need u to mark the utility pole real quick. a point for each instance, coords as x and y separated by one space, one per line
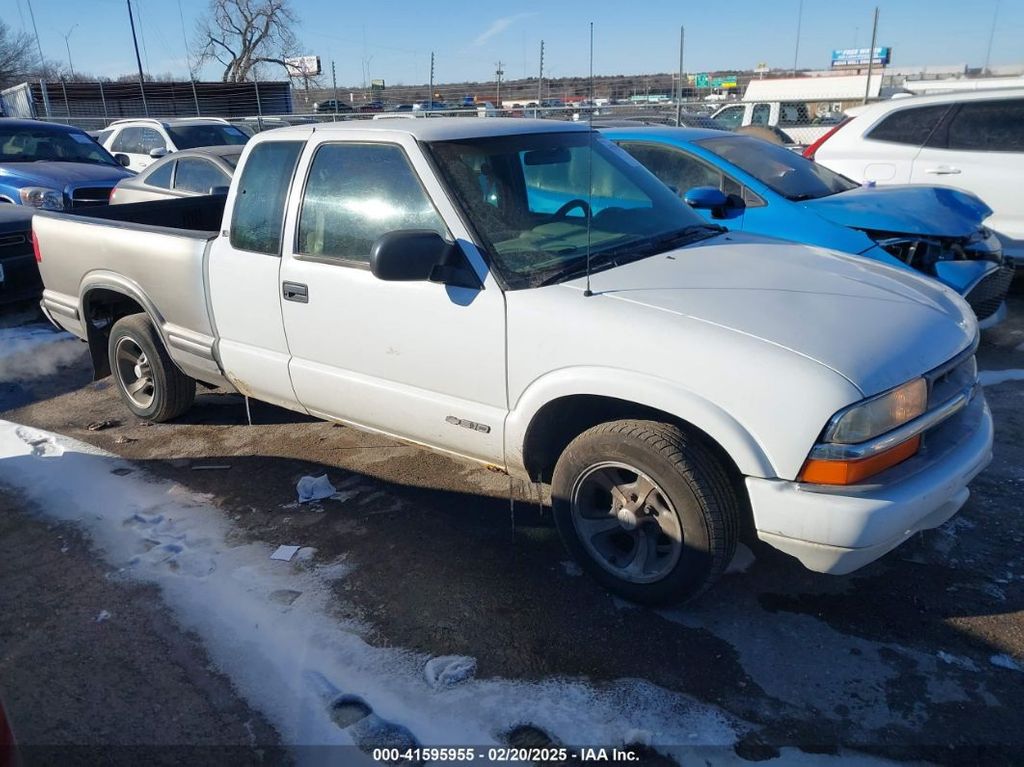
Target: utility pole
991 35
188 58
431 79
540 78
871 56
138 60
799 22
68 46
498 73
334 81
42 62
679 96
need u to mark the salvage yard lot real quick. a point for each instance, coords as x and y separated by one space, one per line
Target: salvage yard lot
916 657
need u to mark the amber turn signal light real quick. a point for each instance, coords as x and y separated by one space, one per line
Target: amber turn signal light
822 472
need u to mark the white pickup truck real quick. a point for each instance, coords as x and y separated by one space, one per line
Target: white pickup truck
427 279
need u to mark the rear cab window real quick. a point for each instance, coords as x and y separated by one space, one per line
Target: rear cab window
257 218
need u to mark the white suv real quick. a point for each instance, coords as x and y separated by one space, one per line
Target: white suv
974 141
144 141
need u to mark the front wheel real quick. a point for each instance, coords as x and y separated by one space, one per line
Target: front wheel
149 382
645 509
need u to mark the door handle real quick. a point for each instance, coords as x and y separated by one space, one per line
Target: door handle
295 291
943 170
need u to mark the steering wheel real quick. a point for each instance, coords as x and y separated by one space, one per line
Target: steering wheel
562 212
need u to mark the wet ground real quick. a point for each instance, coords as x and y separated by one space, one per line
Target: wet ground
917 656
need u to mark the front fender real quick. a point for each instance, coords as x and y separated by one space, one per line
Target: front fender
745 450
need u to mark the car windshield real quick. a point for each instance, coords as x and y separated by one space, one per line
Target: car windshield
39 143
192 136
780 169
530 198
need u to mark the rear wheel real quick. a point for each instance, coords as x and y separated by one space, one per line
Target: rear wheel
149 382
645 509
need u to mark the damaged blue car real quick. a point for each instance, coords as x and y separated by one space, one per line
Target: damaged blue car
754 186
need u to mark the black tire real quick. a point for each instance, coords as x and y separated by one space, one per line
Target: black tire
172 392
686 473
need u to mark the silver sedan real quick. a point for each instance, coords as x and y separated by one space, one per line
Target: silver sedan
188 173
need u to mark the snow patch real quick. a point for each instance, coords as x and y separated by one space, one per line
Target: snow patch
276 633
957 660
34 351
1005 661
446 670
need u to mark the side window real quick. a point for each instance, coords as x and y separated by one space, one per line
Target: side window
761 114
161 176
150 139
354 194
126 141
730 117
909 126
195 175
258 215
102 136
992 126
674 167
791 114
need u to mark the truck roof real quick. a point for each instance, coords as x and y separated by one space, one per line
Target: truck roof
444 128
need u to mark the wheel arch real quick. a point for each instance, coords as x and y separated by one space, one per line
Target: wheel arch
104 299
554 409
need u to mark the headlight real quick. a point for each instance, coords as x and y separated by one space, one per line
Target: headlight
42 197
880 414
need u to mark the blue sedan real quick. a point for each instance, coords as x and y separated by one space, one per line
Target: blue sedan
751 185
54 167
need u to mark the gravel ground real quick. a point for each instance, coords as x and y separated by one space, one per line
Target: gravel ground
904 659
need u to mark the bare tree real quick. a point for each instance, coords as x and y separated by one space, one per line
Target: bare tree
18 60
242 34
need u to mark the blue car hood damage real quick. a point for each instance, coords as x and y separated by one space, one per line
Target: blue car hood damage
935 211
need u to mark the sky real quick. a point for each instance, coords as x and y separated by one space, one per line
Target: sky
393 40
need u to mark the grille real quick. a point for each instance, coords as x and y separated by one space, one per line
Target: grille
986 297
951 378
85 196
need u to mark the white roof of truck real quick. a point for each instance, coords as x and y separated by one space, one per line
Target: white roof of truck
444 128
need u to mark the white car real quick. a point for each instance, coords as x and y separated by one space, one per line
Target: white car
137 144
459 284
974 141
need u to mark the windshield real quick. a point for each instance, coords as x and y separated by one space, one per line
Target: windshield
530 197
38 143
192 136
782 170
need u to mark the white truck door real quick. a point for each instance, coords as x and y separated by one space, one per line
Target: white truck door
244 272
981 149
420 360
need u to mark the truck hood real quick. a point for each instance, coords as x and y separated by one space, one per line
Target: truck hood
936 211
57 175
875 325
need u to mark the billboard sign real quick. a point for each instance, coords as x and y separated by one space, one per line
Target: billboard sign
704 80
303 66
377 86
859 57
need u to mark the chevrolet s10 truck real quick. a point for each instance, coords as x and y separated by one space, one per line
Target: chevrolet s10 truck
428 279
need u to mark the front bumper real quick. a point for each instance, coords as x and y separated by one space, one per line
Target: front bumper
839 530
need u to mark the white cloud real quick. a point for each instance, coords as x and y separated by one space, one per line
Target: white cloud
500 25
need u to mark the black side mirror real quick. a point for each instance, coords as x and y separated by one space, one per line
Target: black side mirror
420 255
123 160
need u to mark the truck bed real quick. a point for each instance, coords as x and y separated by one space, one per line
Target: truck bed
154 253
